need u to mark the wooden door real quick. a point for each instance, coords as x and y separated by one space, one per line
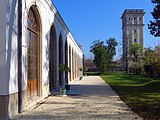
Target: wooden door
32 55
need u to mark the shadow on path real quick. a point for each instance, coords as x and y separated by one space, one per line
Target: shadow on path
95 101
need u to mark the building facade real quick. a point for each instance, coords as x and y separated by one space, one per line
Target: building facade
132 30
34 41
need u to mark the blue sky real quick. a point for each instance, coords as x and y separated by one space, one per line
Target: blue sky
89 20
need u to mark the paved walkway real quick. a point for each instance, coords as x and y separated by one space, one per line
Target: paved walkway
89 99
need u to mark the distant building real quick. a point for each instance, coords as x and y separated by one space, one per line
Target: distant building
132 30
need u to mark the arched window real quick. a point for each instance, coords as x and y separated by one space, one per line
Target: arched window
32 53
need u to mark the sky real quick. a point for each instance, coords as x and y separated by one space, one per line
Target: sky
90 20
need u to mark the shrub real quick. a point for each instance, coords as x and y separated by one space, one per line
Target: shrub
152 62
136 68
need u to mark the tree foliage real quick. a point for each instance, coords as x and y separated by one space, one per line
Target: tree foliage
152 62
136 50
103 54
111 50
99 50
154 25
147 63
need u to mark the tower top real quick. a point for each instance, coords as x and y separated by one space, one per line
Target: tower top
133 11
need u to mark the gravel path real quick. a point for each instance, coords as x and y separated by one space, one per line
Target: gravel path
88 99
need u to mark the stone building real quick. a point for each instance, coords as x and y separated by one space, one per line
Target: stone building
34 41
132 31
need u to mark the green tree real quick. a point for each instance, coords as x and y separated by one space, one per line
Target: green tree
136 50
99 50
111 50
103 54
154 26
149 56
152 62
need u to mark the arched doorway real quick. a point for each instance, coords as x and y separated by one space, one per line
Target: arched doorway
33 53
52 59
60 59
66 61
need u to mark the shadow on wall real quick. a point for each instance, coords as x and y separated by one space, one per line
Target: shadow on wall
12 31
12 58
46 64
50 63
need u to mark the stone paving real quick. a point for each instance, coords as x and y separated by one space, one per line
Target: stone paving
88 99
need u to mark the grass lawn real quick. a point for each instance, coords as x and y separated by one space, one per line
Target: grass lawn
141 94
